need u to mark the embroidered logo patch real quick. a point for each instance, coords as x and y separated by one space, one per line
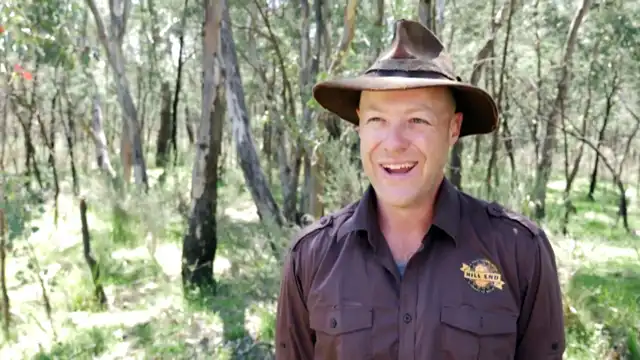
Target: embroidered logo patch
482 276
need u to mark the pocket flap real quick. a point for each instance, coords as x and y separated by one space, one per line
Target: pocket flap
477 321
340 319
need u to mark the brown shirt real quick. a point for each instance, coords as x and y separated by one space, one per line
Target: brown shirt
483 286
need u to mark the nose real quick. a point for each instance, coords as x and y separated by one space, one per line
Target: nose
396 139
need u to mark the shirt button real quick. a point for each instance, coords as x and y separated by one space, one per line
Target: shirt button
406 318
334 323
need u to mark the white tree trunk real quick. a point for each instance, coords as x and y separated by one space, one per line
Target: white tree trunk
119 9
237 110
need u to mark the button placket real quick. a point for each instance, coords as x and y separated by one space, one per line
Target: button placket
408 298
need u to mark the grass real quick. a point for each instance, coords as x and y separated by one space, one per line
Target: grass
139 247
600 269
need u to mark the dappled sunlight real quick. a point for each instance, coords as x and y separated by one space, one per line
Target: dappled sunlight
596 216
129 318
557 185
135 254
68 231
131 304
574 252
245 212
258 316
145 299
171 265
165 255
145 302
221 265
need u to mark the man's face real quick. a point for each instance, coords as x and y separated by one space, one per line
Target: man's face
405 137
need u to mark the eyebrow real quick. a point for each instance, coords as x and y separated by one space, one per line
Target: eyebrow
410 110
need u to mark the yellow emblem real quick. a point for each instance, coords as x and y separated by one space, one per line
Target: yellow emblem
482 276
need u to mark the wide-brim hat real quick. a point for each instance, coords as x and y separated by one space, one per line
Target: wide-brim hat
416 58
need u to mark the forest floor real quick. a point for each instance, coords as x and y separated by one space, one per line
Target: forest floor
147 317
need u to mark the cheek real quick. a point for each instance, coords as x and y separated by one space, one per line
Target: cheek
368 146
424 142
368 142
430 145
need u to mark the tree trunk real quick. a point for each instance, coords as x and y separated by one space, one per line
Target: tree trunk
164 133
622 204
113 45
572 172
100 139
288 161
188 124
200 241
455 164
331 122
4 140
92 263
176 97
543 168
427 14
603 130
249 162
70 136
49 140
500 96
6 306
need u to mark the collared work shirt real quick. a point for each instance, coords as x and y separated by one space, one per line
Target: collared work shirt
484 285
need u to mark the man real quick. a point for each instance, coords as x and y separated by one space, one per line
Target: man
417 269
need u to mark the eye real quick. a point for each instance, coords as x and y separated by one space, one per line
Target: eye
374 119
420 121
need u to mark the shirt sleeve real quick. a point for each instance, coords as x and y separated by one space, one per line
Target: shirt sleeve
294 337
541 324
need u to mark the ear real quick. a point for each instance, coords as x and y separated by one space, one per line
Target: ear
454 128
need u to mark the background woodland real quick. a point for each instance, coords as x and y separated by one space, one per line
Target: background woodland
156 157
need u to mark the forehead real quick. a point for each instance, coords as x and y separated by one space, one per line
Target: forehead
432 98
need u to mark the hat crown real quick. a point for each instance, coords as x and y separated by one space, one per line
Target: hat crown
414 48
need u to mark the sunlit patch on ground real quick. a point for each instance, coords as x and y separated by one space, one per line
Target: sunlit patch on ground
84 319
557 185
592 215
243 212
166 257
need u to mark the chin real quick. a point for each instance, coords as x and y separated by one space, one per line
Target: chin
400 198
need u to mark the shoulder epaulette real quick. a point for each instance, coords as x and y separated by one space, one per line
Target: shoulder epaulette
322 223
497 210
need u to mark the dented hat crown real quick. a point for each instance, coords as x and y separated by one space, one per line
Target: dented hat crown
416 58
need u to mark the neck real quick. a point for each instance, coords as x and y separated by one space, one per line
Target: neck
408 222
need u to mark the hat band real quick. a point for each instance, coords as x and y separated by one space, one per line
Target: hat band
410 74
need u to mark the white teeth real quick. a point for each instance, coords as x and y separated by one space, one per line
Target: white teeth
399 166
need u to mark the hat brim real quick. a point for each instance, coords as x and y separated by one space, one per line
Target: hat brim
342 97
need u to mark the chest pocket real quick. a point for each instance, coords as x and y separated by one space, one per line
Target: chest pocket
473 334
342 331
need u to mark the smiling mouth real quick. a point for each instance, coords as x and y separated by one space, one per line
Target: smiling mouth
400 168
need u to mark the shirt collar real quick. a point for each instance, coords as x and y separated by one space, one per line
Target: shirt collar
446 213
